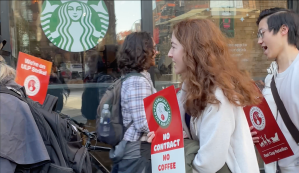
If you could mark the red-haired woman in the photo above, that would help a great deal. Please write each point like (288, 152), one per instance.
(214, 91)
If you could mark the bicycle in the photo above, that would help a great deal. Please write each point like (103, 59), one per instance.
(97, 166)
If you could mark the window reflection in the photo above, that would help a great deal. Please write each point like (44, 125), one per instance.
(235, 18)
(78, 78)
(96, 73)
(62, 92)
(0, 20)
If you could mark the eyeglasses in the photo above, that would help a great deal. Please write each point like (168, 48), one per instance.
(260, 33)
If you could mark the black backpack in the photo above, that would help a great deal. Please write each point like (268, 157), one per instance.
(112, 97)
(61, 138)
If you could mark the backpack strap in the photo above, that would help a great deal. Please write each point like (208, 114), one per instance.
(135, 73)
(79, 159)
(284, 114)
(125, 77)
(13, 92)
(129, 125)
(50, 103)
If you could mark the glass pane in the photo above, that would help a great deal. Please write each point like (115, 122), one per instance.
(235, 18)
(0, 19)
(81, 38)
(82, 47)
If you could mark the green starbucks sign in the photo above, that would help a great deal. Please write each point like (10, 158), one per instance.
(162, 112)
(74, 25)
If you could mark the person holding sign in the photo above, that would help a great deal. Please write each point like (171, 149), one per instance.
(278, 35)
(213, 92)
(19, 134)
(136, 56)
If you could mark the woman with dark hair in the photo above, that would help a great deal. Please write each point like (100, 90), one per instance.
(214, 91)
(137, 54)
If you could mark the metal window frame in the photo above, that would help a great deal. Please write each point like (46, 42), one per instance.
(5, 31)
(293, 5)
(147, 25)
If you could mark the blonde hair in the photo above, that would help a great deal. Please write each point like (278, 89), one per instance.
(7, 73)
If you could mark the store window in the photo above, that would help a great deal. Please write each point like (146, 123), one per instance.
(0, 20)
(235, 18)
(81, 38)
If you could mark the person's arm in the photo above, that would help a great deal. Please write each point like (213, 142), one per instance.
(7, 166)
(217, 126)
(139, 90)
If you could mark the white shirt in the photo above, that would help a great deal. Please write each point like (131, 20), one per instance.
(224, 137)
(287, 84)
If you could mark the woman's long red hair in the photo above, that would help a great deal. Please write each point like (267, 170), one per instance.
(210, 65)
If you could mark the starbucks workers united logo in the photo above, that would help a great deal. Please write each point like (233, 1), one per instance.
(162, 112)
(74, 25)
(257, 118)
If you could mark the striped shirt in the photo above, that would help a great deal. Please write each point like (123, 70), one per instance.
(133, 91)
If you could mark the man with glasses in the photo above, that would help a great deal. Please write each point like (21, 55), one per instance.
(278, 35)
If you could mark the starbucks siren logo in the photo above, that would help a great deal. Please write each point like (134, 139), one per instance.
(74, 25)
(162, 112)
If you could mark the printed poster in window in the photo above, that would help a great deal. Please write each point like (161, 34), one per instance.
(227, 27)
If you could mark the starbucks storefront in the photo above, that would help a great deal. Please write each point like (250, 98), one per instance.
(81, 39)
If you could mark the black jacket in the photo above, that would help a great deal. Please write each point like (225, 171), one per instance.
(20, 139)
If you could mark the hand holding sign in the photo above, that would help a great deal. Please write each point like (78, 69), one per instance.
(164, 120)
(271, 142)
(150, 136)
(253, 134)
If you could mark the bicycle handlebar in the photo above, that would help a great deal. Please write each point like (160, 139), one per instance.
(90, 136)
(98, 148)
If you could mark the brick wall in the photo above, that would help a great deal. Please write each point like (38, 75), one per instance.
(243, 44)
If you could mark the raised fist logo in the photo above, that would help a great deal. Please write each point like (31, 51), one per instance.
(162, 112)
(162, 117)
(32, 85)
(257, 118)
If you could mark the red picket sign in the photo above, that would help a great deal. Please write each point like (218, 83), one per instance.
(163, 117)
(272, 145)
(33, 73)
